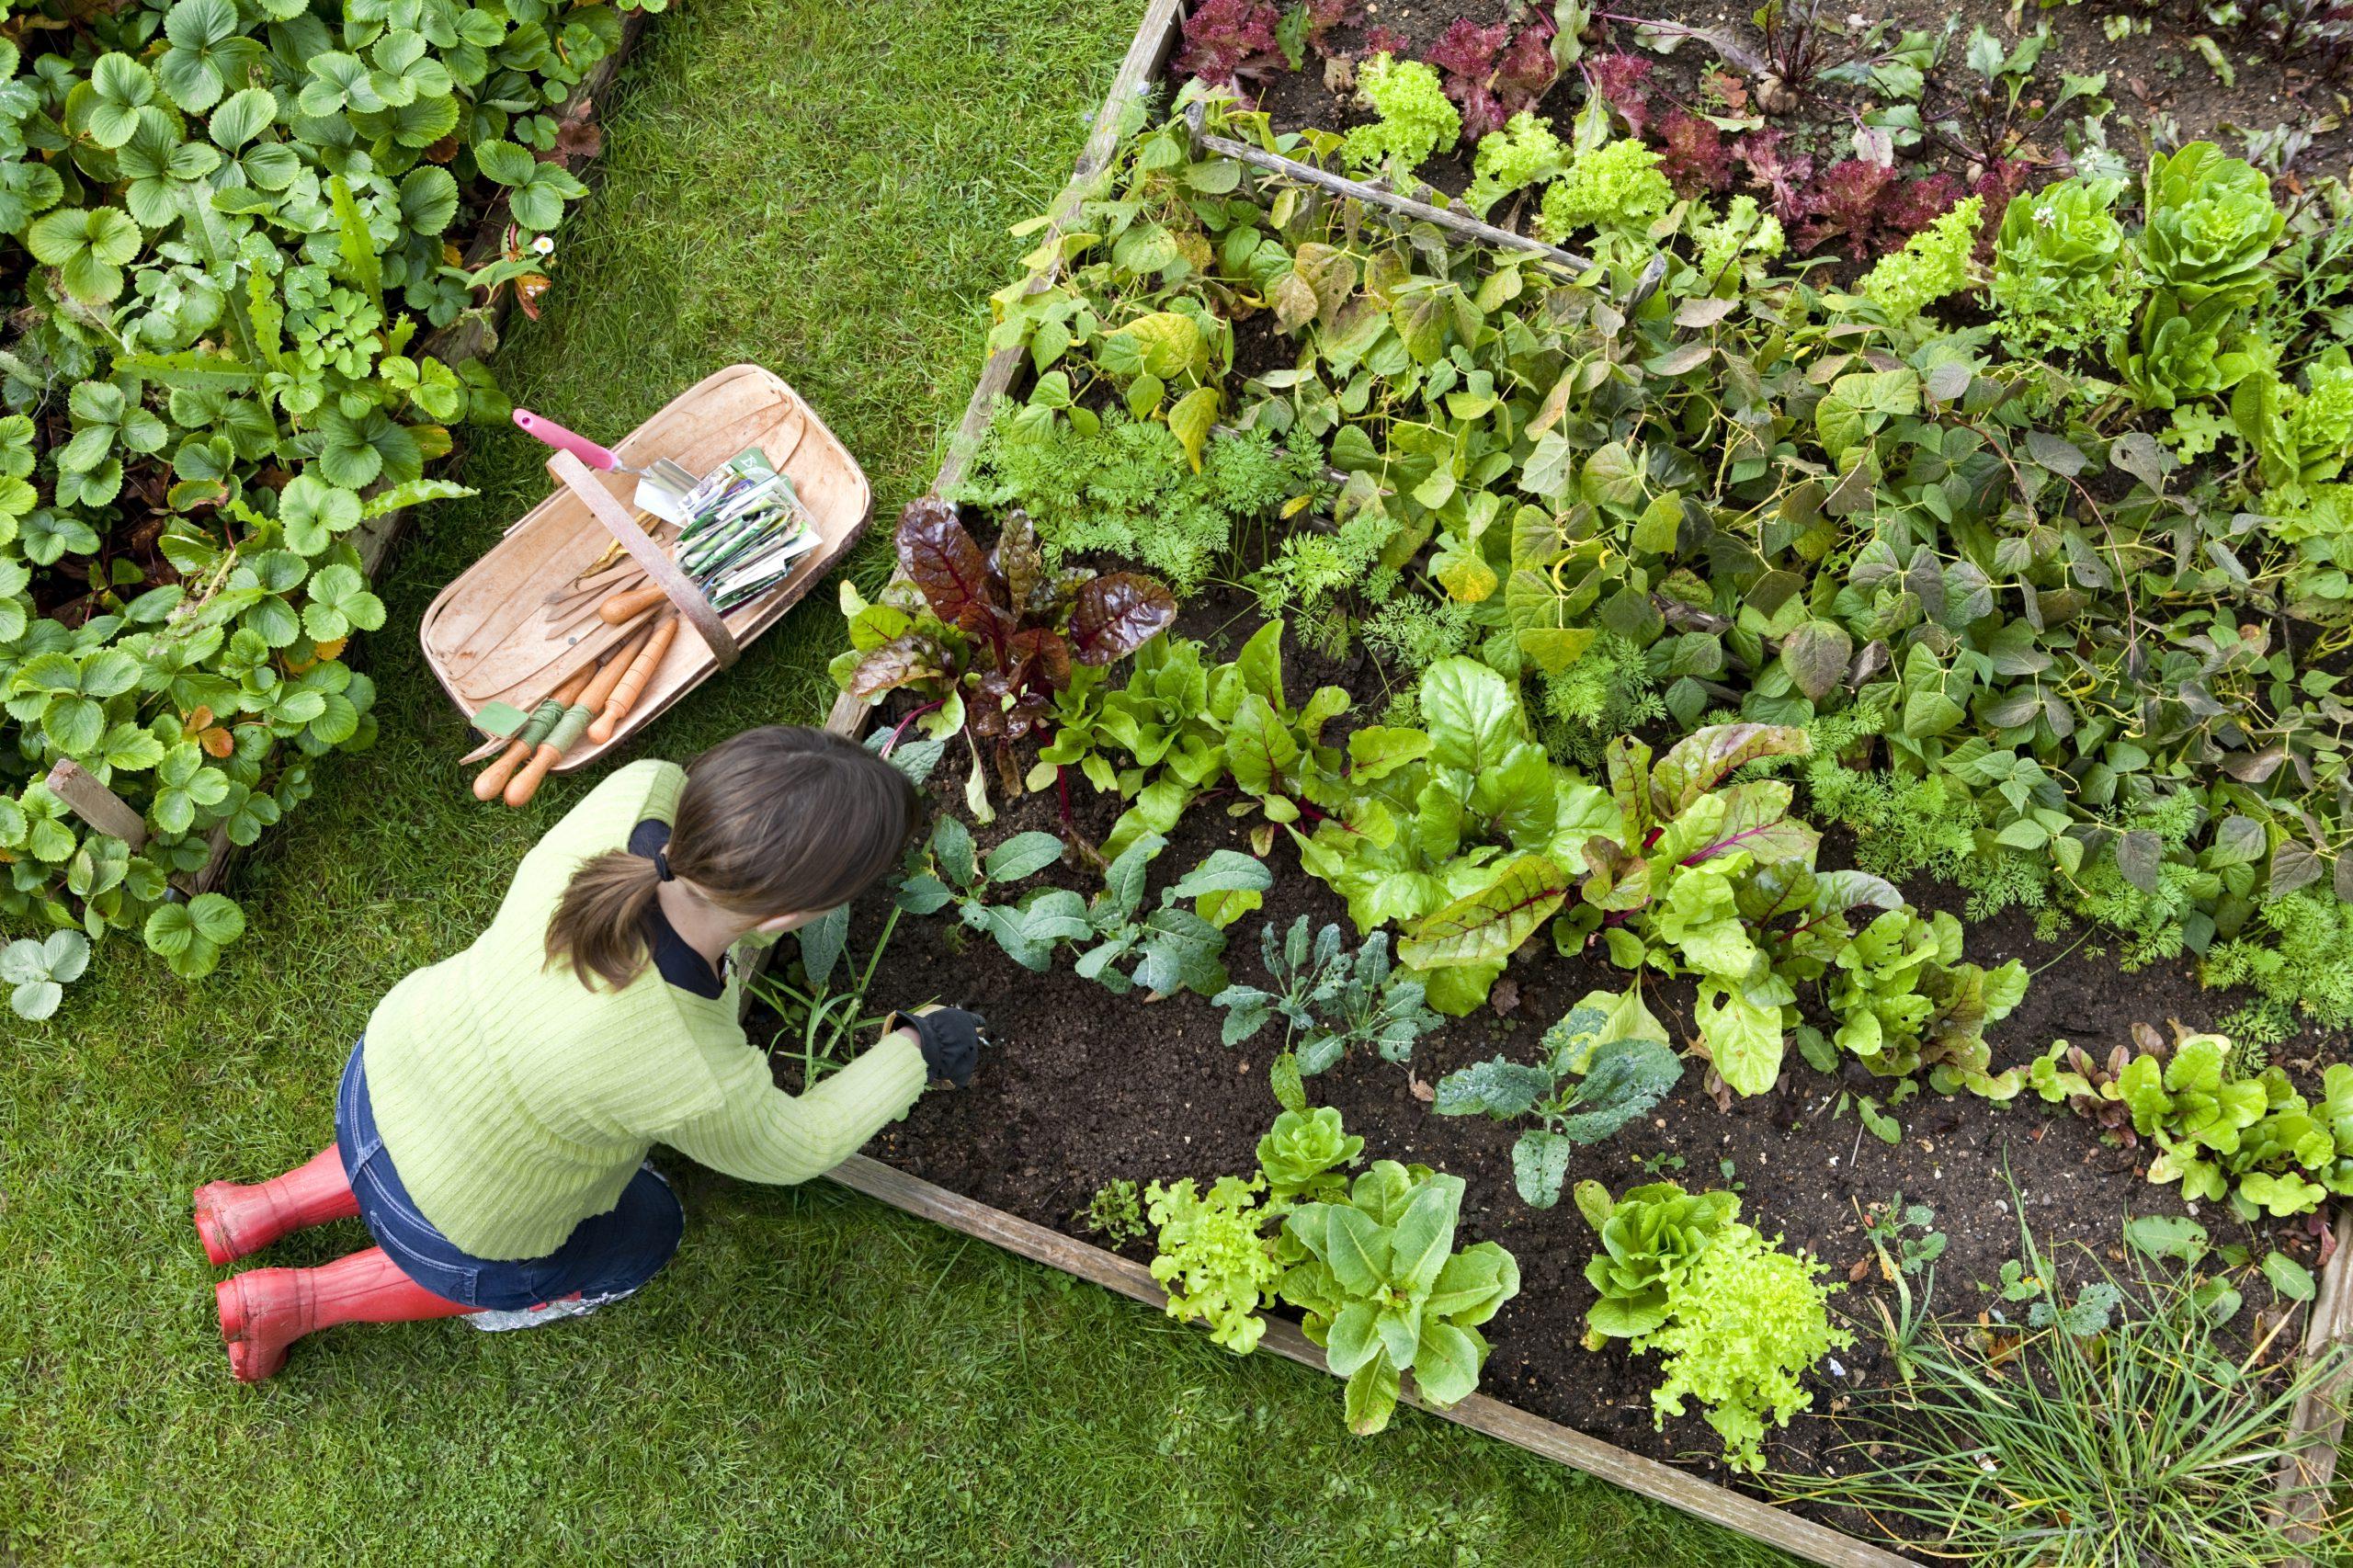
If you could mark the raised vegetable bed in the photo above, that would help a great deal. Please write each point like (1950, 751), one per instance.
(1093, 1087)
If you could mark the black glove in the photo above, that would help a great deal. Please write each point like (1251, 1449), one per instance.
(950, 1038)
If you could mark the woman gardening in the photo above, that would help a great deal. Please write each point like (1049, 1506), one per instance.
(492, 1122)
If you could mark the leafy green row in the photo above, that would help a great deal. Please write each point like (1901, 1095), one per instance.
(1467, 837)
(2221, 1131)
(237, 216)
(2056, 595)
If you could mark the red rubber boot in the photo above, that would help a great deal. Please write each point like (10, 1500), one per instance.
(264, 1310)
(236, 1219)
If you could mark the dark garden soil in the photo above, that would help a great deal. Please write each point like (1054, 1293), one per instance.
(1085, 1087)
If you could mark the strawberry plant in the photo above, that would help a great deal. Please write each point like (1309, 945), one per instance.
(236, 225)
(37, 971)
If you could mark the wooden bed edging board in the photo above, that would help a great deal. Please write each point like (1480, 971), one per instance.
(2316, 1430)
(1664, 1482)
(471, 336)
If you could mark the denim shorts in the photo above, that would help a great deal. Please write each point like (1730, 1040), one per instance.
(607, 1255)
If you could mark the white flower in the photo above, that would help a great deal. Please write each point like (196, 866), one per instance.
(2044, 216)
(543, 243)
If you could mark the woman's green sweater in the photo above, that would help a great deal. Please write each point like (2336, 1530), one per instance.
(516, 1102)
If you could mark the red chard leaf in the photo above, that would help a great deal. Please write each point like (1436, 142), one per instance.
(1116, 614)
(941, 560)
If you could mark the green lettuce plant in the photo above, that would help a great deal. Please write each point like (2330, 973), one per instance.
(2209, 224)
(1384, 1291)
(1302, 1154)
(1416, 116)
(1650, 1240)
(1614, 185)
(1589, 1085)
(2299, 435)
(1212, 1259)
(1934, 263)
(1746, 1323)
(1738, 1320)
(2062, 283)
(2181, 354)
(1524, 153)
(1746, 236)
(1330, 1000)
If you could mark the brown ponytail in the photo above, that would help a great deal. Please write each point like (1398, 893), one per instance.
(777, 821)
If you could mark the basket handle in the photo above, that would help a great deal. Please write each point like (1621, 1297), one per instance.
(575, 475)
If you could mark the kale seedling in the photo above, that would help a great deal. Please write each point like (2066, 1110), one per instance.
(1329, 999)
(1587, 1088)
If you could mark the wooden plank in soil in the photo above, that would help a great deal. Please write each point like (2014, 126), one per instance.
(2316, 1430)
(1717, 1504)
(470, 337)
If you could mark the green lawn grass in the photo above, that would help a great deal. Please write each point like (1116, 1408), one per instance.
(824, 187)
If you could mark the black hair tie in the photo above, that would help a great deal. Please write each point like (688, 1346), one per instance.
(662, 866)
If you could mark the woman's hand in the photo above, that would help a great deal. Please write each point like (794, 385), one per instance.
(950, 1038)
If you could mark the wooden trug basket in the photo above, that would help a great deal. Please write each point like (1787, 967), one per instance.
(483, 634)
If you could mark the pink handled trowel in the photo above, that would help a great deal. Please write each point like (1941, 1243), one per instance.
(661, 486)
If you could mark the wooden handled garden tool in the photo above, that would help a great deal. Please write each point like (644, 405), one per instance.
(627, 606)
(586, 704)
(491, 781)
(618, 706)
